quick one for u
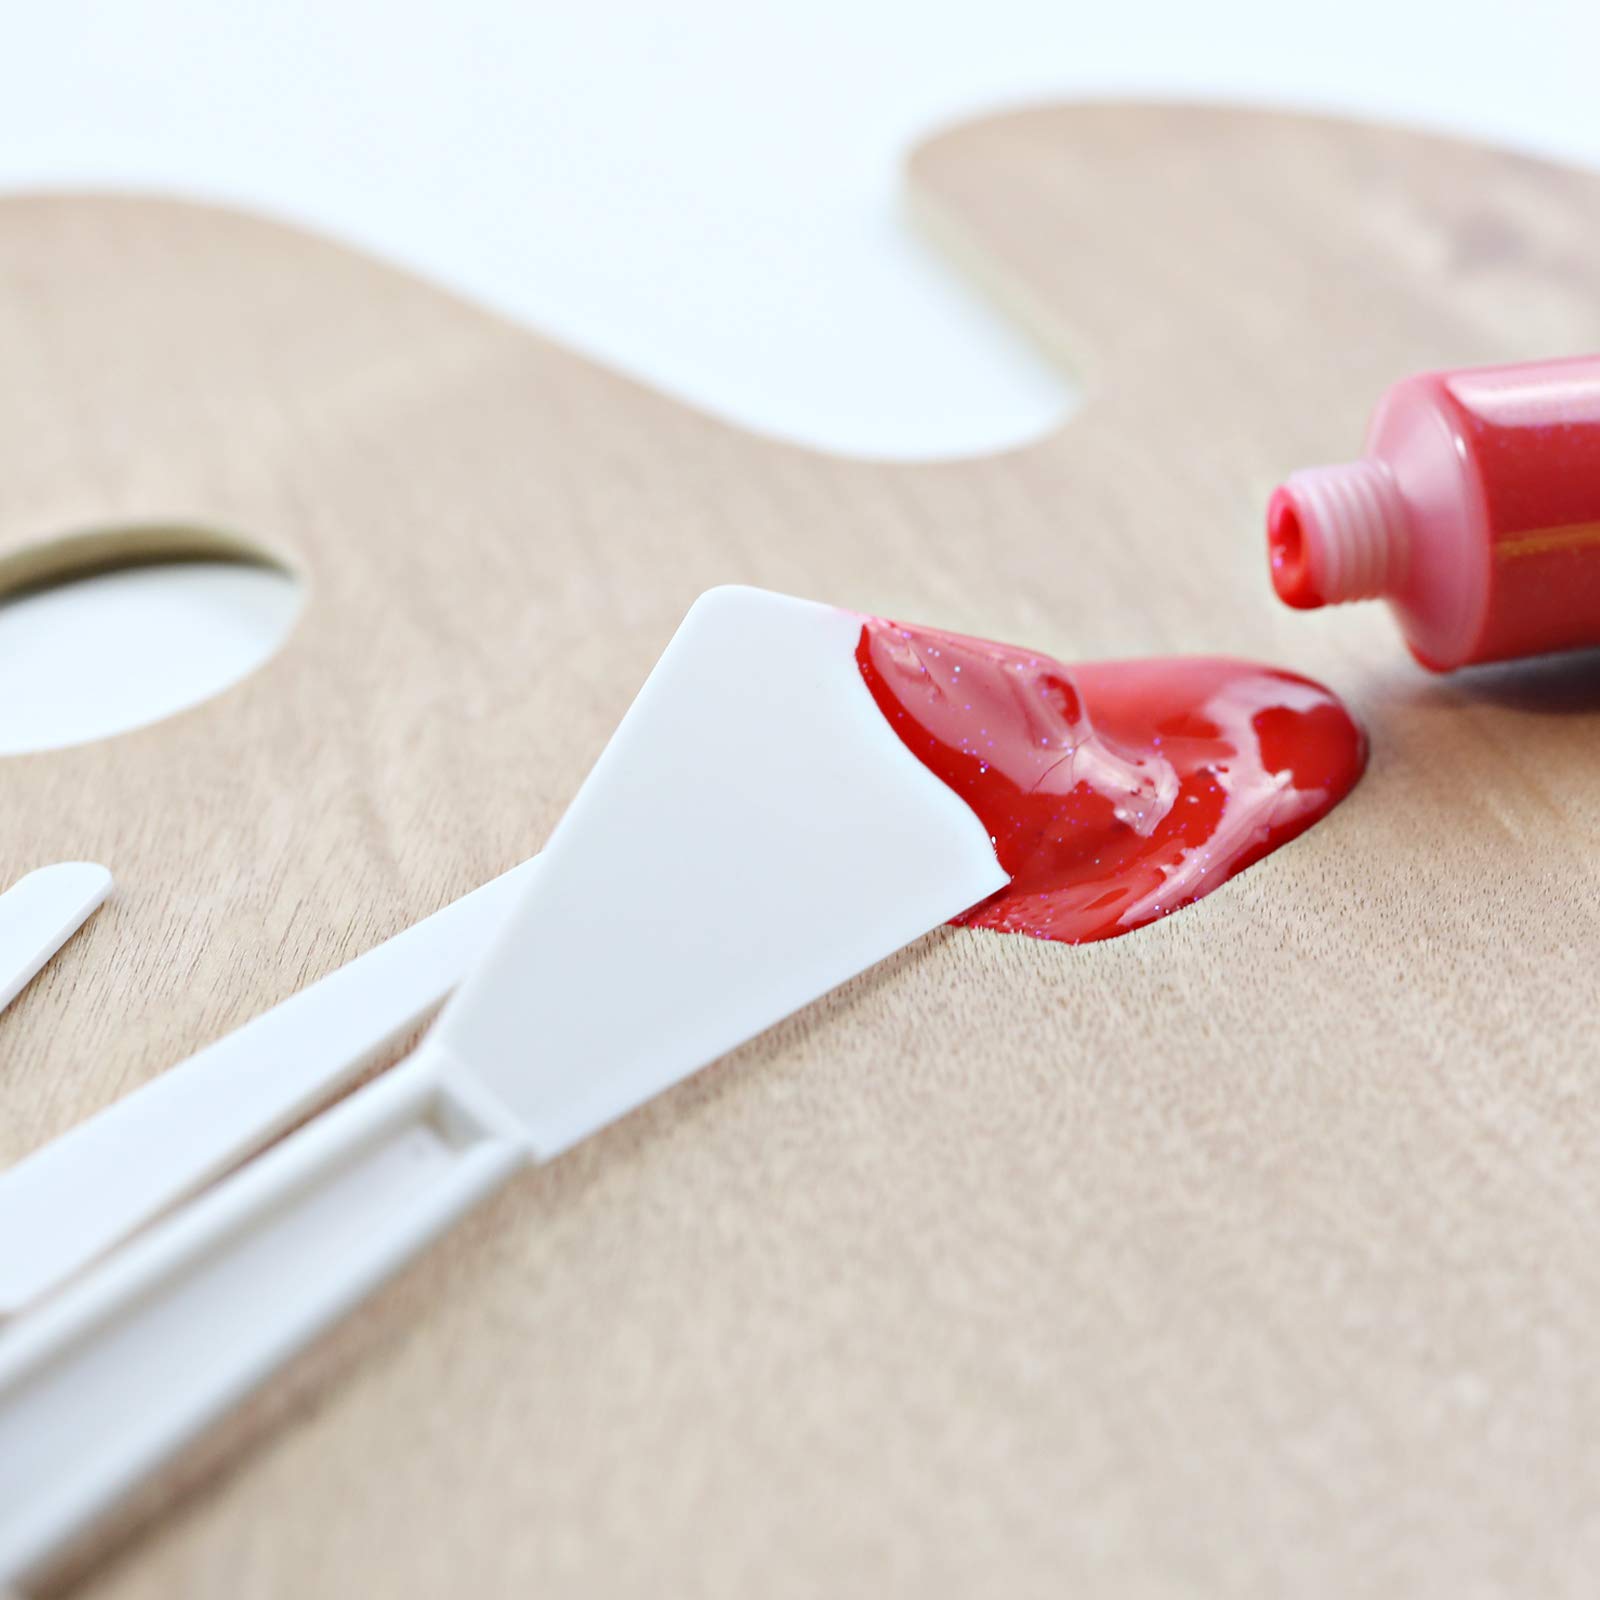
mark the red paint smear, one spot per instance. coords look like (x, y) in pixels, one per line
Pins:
(1116, 791)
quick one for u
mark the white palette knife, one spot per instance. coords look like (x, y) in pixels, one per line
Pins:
(754, 835)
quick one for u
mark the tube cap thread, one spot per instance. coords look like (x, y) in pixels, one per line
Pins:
(1337, 534)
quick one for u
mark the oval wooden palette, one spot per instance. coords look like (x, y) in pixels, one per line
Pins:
(1250, 1254)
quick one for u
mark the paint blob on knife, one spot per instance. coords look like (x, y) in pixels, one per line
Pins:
(1115, 792)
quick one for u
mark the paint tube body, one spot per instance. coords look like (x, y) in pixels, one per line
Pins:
(1475, 512)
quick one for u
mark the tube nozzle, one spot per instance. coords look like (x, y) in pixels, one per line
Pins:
(1336, 534)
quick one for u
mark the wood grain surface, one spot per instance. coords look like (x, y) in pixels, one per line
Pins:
(1252, 1254)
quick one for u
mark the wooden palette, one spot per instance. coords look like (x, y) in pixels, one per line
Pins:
(1250, 1254)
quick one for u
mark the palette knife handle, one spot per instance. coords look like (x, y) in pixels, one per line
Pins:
(100, 1386)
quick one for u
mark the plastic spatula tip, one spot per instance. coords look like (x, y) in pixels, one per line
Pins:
(754, 834)
(39, 913)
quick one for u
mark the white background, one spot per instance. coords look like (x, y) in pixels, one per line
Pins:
(705, 194)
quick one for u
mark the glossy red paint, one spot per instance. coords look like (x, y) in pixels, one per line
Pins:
(1115, 792)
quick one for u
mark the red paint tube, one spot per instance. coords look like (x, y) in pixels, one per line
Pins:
(1475, 513)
